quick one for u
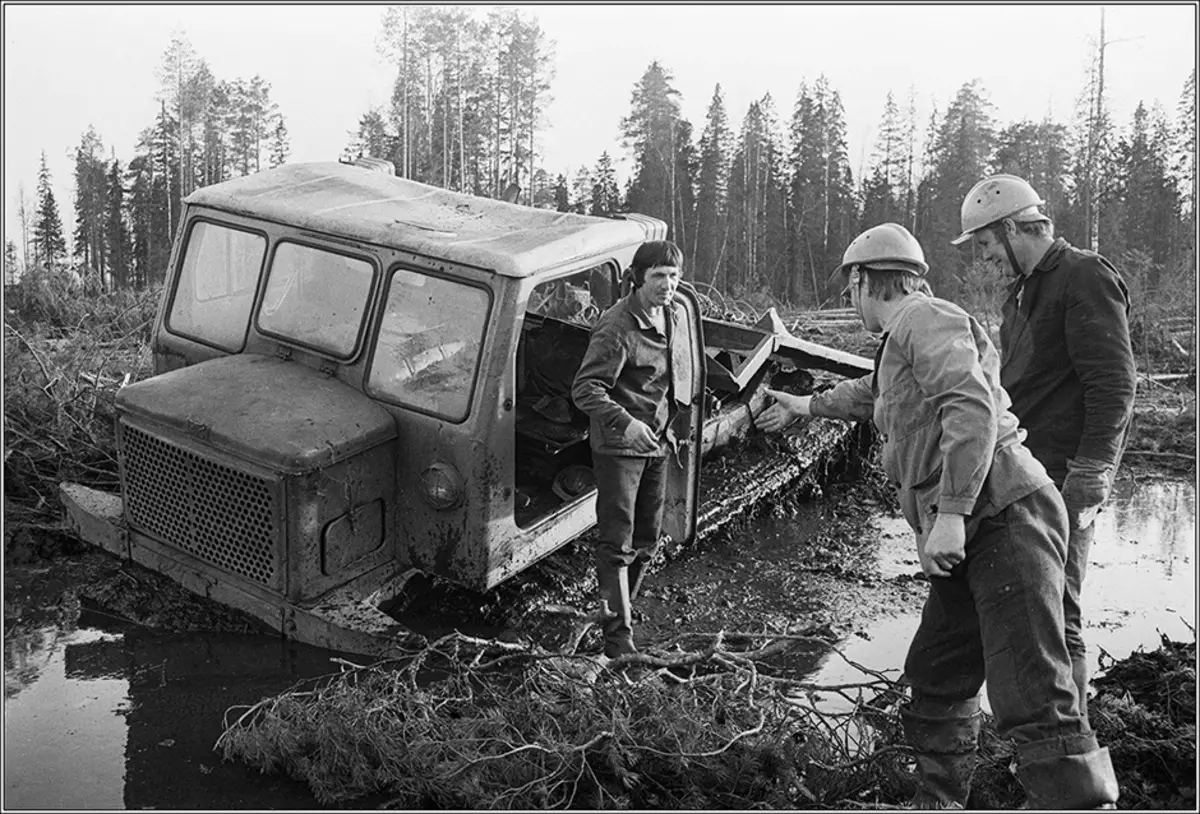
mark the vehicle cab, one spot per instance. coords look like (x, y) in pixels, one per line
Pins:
(358, 375)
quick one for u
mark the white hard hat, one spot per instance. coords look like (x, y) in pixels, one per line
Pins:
(995, 198)
(888, 246)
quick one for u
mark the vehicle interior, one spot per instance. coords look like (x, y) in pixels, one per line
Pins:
(553, 457)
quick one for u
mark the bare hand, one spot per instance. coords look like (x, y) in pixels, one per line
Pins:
(786, 409)
(946, 545)
(639, 437)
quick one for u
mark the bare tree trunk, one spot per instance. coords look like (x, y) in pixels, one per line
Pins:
(23, 214)
(404, 78)
(462, 149)
(1094, 223)
(445, 128)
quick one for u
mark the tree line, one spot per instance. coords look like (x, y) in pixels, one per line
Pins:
(207, 130)
(769, 204)
(764, 205)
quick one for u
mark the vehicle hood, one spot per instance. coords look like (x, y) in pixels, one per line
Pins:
(267, 410)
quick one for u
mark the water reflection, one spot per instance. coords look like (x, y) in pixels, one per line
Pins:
(1141, 580)
(125, 718)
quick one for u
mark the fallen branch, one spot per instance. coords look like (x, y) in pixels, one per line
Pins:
(1149, 453)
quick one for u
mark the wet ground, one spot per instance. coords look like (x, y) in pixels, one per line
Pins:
(101, 713)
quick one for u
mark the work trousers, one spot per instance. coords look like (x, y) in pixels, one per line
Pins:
(999, 616)
(1079, 547)
(630, 493)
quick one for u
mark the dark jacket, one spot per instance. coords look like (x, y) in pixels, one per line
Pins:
(1068, 363)
(627, 373)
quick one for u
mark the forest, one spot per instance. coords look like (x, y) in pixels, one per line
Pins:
(763, 208)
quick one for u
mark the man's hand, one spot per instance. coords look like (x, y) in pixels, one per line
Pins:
(786, 409)
(1085, 489)
(946, 545)
(639, 437)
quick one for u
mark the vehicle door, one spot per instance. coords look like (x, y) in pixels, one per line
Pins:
(683, 471)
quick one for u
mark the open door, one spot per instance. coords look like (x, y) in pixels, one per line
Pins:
(683, 474)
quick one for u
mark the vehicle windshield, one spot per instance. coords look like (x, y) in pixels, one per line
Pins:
(316, 298)
(216, 286)
(428, 347)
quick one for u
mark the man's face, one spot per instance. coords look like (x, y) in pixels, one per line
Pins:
(659, 284)
(991, 250)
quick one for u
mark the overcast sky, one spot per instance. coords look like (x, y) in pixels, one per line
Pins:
(70, 66)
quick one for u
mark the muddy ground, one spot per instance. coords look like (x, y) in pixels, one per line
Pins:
(827, 585)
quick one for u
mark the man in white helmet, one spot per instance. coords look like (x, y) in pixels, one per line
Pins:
(991, 533)
(1067, 363)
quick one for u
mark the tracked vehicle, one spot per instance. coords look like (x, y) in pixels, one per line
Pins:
(359, 377)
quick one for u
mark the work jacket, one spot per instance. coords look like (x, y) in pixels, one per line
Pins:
(632, 370)
(1068, 362)
(949, 440)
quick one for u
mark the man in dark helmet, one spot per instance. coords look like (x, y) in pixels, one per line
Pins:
(1066, 362)
(634, 383)
(991, 534)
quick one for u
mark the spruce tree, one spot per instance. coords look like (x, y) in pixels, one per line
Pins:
(47, 227)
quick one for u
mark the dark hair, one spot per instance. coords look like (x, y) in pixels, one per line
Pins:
(651, 254)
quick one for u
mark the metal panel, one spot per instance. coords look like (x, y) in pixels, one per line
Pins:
(215, 511)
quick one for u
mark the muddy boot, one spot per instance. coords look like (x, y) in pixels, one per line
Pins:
(943, 737)
(613, 582)
(1067, 781)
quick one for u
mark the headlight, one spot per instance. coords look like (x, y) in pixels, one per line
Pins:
(442, 486)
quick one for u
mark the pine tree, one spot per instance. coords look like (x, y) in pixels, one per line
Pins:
(116, 232)
(1183, 167)
(581, 191)
(712, 223)
(562, 194)
(90, 197)
(279, 144)
(883, 187)
(821, 194)
(656, 136)
(606, 195)
(757, 204)
(47, 227)
(1149, 204)
(961, 155)
(12, 266)
(372, 139)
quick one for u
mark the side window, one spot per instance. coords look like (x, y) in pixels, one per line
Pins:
(216, 285)
(579, 299)
(427, 352)
(316, 298)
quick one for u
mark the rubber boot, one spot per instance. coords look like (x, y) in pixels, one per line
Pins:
(1070, 781)
(613, 582)
(943, 737)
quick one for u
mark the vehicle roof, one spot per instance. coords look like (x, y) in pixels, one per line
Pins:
(375, 207)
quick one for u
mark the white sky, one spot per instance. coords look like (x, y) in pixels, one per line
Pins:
(68, 66)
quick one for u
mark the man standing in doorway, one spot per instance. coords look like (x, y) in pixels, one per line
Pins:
(1067, 364)
(634, 384)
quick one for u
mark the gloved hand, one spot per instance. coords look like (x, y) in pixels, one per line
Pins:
(1086, 488)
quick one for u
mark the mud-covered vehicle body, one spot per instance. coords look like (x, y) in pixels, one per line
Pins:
(358, 376)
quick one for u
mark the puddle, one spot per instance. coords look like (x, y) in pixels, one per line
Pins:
(1141, 580)
(108, 715)
(103, 717)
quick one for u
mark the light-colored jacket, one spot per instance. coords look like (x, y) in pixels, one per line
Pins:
(949, 440)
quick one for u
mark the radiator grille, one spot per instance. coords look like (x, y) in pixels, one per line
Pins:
(223, 516)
